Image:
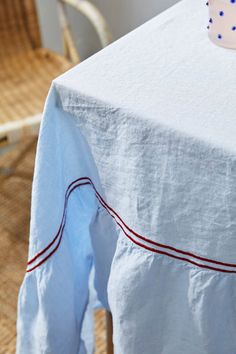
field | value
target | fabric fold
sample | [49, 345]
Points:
[55, 292]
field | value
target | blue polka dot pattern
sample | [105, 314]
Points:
[222, 22]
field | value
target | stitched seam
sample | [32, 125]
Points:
[125, 228]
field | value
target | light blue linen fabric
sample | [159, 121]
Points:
[54, 297]
[159, 304]
[139, 141]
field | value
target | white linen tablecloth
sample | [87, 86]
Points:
[136, 176]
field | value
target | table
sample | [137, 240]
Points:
[135, 178]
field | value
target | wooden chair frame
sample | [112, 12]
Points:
[95, 17]
[109, 333]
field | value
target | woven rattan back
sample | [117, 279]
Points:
[19, 31]
[27, 69]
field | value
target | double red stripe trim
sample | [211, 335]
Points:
[58, 237]
[136, 238]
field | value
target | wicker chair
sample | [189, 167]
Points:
[27, 69]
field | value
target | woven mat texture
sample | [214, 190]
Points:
[26, 69]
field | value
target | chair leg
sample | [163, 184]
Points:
[109, 332]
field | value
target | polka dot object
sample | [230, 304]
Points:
[222, 22]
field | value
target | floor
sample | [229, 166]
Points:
[15, 193]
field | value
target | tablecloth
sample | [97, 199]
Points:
[136, 177]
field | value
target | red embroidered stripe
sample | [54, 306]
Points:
[109, 209]
[60, 230]
[126, 230]
[49, 255]
[68, 192]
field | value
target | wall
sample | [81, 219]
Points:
[122, 16]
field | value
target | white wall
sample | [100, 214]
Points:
[122, 16]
